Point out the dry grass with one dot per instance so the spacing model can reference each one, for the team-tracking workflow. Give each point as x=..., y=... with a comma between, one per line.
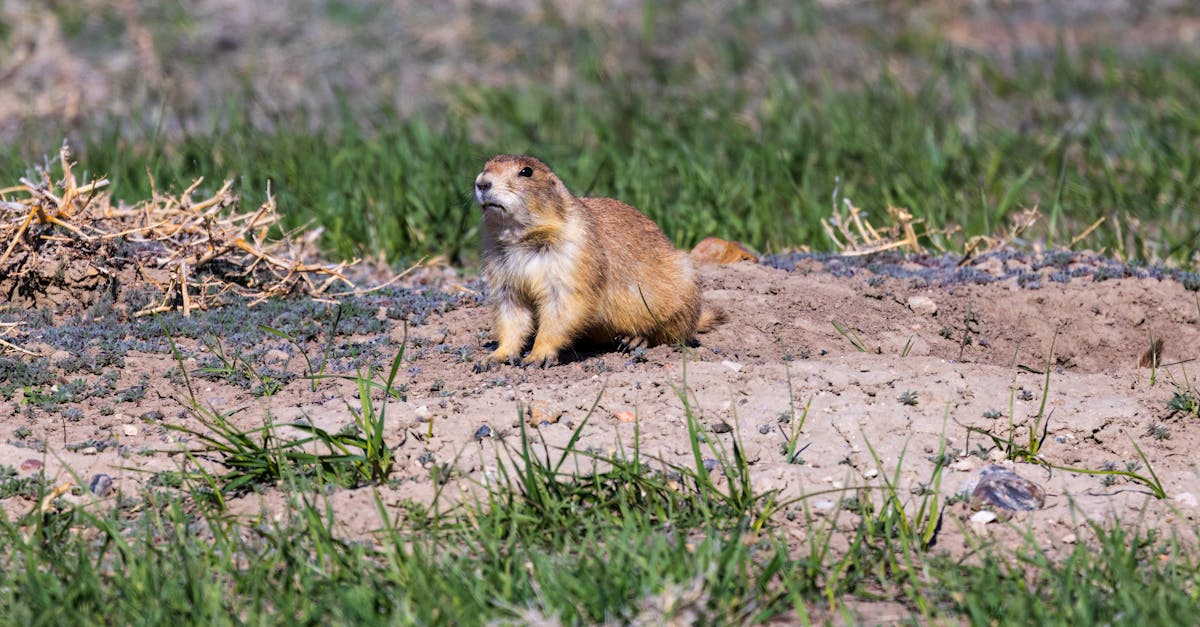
x=194, y=252
x=854, y=235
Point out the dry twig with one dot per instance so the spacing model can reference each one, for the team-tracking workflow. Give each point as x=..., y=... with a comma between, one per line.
x=854, y=235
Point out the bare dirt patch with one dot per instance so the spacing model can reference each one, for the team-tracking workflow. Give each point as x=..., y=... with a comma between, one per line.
x=101, y=390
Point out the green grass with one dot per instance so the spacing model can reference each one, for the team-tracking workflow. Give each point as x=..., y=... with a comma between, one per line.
x=1093, y=135
x=597, y=539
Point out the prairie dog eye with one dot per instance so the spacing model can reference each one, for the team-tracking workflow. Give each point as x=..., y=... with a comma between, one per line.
x=526, y=171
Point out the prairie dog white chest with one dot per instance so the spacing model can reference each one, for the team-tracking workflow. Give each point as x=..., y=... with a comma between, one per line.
x=537, y=272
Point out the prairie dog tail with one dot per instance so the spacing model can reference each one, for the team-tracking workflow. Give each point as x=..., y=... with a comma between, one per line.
x=710, y=317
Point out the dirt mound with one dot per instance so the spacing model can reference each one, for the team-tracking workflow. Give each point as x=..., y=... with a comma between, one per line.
x=1097, y=313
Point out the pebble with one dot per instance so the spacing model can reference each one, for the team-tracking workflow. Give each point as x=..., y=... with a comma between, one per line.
x=983, y=517
x=626, y=416
x=100, y=485
x=1004, y=489
x=732, y=365
x=923, y=305
x=31, y=465
x=540, y=414
x=152, y=416
x=1070, y=538
x=1186, y=499
x=482, y=432
x=130, y=430
x=710, y=464
x=422, y=413
x=721, y=427
x=91, y=450
x=871, y=473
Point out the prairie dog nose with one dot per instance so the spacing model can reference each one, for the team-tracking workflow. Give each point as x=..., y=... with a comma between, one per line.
x=482, y=184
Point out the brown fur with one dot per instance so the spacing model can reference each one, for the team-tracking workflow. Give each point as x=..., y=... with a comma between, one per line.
x=578, y=267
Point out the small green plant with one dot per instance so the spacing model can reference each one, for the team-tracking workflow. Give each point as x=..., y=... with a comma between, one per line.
x=1030, y=452
x=1158, y=431
x=790, y=448
x=11, y=484
x=257, y=455
x=851, y=336
x=314, y=374
x=970, y=327
x=238, y=370
x=915, y=531
x=1184, y=401
x=908, y=397
x=1110, y=472
x=364, y=449
x=1041, y=423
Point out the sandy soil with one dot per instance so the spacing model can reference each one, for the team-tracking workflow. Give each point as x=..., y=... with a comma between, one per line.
x=779, y=353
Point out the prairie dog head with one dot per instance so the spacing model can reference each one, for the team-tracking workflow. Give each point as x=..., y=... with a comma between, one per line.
x=519, y=191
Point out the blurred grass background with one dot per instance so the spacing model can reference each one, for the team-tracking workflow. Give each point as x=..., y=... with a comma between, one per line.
x=736, y=119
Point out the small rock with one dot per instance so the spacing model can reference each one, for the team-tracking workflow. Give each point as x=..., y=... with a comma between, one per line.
x=129, y=430
x=1002, y=488
x=710, y=464
x=152, y=416
x=100, y=485
x=482, y=432
x=1070, y=538
x=922, y=305
x=626, y=416
x=721, y=427
x=423, y=413
x=823, y=505
x=732, y=365
x=764, y=429
x=871, y=473
x=540, y=415
x=31, y=465
x=983, y=517
x=91, y=450
x=1186, y=499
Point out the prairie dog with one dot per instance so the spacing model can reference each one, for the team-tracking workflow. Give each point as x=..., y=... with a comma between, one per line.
x=576, y=268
